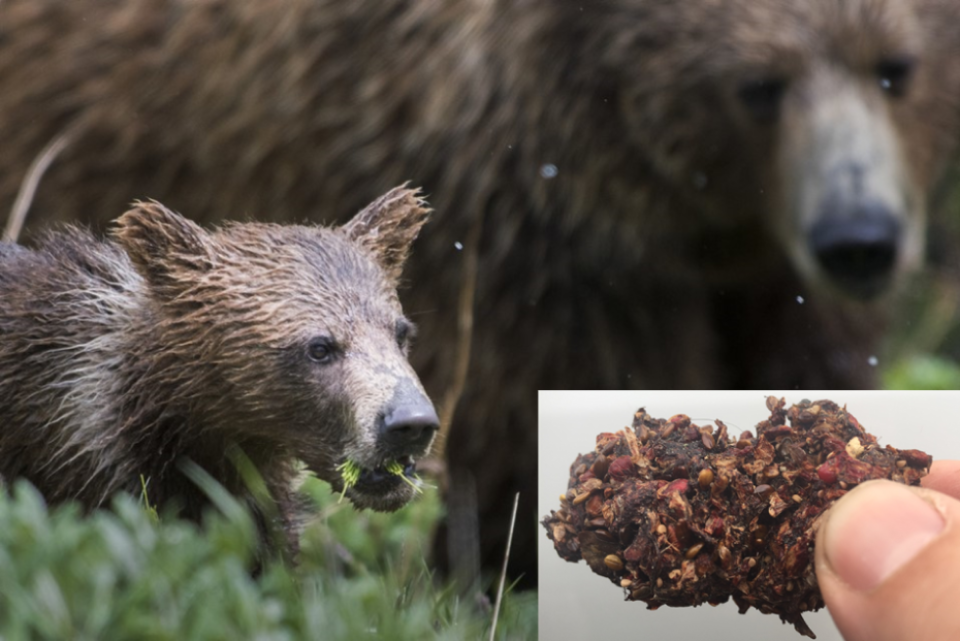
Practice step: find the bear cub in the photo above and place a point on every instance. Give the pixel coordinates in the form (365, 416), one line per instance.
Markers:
(121, 358)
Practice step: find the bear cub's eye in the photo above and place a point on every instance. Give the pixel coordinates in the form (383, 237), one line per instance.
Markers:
(762, 97)
(322, 349)
(404, 331)
(894, 75)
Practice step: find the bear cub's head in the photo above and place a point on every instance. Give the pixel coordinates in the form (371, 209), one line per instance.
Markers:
(289, 341)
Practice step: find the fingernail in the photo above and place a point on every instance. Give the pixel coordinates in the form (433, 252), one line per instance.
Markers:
(875, 530)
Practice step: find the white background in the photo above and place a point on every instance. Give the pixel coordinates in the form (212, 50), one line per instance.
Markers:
(577, 604)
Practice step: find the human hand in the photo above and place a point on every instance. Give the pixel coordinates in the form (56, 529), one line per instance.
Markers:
(888, 559)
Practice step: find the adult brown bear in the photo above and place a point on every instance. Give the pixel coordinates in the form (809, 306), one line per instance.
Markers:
(651, 187)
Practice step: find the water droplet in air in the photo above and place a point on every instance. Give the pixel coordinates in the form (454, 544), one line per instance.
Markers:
(458, 245)
(548, 171)
(872, 361)
(800, 300)
(885, 83)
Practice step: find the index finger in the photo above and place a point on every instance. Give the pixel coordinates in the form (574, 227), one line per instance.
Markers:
(944, 477)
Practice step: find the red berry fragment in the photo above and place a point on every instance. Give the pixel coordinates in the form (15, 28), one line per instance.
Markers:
(677, 514)
(827, 474)
(621, 468)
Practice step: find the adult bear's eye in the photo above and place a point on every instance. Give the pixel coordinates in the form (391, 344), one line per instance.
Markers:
(895, 74)
(762, 97)
(322, 349)
(404, 332)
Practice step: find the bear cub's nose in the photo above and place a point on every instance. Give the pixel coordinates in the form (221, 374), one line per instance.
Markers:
(409, 428)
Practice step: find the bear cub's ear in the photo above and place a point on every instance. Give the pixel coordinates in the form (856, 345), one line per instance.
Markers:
(163, 245)
(389, 225)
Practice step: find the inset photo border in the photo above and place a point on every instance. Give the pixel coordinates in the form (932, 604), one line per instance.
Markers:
(577, 604)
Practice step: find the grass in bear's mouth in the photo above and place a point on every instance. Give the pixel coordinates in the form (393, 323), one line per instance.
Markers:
(350, 472)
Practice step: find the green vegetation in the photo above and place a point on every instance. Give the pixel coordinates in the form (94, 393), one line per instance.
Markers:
(124, 574)
(922, 351)
(923, 372)
(350, 473)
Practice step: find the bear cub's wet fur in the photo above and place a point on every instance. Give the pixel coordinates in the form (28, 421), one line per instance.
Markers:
(120, 358)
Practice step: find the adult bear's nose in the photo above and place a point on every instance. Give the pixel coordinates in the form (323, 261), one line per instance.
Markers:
(858, 251)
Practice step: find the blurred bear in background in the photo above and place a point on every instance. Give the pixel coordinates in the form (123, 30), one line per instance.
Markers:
(632, 193)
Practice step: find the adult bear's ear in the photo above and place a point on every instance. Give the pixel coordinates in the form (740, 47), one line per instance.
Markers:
(388, 226)
(165, 248)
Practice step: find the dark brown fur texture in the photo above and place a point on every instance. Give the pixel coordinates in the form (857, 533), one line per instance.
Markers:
(697, 145)
(119, 358)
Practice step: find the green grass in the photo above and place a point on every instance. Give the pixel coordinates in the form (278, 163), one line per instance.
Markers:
(350, 473)
(347, 540)
(124, 574)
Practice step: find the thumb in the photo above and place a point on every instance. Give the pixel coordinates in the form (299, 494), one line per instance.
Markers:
(888, 563)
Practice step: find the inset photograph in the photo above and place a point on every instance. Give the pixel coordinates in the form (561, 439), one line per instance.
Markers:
(751, 514)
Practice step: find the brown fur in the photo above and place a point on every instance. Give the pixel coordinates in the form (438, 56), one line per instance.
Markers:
(121, 358)
(668, 251)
